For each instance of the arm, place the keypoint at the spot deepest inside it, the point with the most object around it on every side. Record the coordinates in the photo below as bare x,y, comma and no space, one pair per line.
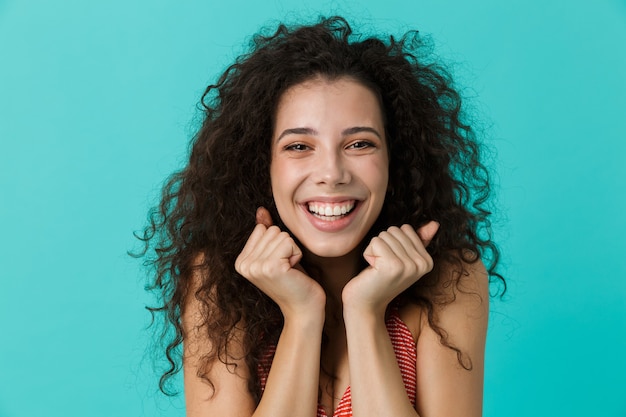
398,258
230,395
269,261
295,371
376,383
444,388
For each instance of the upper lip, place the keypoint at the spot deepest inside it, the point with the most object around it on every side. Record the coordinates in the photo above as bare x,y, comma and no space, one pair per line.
330,199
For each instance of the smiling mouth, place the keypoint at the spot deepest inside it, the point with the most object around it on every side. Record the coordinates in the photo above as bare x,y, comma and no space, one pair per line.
331,212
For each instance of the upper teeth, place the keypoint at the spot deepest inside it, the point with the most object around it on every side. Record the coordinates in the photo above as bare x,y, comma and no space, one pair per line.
324,209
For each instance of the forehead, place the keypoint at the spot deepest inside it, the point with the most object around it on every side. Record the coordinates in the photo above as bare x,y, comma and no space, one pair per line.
320,81
325,99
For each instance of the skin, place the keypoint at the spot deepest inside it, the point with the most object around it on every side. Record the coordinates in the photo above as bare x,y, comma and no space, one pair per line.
329,150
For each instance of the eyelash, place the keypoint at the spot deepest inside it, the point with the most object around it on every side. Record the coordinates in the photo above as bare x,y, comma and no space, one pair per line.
361,144
301,147
298,147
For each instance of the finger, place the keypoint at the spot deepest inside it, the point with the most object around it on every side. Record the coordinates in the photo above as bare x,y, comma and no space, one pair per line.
255,244
296,255
408,238
376,249
427,232
412,235
276,245
267,243
408,249
400,245
282,246
264,217
418,245
268,247
257,234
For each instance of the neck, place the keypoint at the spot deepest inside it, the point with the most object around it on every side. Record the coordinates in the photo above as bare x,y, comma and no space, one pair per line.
333,274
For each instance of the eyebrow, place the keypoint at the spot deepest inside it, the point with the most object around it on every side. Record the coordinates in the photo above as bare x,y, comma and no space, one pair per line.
313,132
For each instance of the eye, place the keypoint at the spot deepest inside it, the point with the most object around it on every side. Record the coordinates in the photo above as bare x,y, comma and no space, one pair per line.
297,147
361,144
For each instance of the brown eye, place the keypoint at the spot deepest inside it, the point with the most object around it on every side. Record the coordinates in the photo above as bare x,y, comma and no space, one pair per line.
361,144
298,147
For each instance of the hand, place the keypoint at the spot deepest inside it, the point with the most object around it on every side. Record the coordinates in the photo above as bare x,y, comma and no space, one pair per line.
397,258
269,260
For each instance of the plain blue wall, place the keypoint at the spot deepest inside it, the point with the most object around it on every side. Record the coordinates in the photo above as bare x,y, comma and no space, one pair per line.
97,103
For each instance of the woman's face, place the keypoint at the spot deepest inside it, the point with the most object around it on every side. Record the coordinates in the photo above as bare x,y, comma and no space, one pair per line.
329,169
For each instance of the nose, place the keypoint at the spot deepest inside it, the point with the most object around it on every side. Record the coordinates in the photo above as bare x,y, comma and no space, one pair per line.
332,169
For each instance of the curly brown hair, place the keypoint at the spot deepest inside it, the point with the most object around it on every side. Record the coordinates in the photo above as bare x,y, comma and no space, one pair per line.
207,210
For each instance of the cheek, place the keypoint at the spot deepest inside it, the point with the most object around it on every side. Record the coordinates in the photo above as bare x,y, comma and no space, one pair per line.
379,177
282,182
275,175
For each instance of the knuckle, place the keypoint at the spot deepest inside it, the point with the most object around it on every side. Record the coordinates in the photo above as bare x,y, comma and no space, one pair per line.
393,229
424,264
274,230
255,269
238,266
421,263
268,269
430,264
241,262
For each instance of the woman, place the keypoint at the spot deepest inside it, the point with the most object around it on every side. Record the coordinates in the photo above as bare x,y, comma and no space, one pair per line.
321,251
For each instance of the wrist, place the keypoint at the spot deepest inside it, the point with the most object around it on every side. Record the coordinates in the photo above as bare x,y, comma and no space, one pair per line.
363,313
357,306
309,318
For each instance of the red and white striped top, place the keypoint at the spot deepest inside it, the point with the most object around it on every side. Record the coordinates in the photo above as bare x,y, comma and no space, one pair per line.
406,355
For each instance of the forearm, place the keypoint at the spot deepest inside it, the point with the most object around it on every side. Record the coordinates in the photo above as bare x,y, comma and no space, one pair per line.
292,384
376,383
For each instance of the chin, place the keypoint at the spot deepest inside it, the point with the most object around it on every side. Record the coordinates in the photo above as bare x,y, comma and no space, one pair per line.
331,250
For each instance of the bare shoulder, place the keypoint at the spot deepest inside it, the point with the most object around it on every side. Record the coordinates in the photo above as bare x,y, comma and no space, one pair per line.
466,290
450,353
466,295
462,309
211,387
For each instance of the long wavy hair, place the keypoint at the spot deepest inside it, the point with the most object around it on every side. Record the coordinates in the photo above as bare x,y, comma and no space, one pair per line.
207,209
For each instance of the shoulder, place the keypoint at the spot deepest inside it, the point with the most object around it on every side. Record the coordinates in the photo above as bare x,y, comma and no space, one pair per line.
450,339
459,297
210,383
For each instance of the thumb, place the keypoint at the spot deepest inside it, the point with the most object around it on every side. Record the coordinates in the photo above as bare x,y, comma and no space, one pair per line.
371,253
427,232
296,255
263,217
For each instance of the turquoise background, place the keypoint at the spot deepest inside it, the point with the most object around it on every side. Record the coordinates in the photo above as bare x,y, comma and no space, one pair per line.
97,103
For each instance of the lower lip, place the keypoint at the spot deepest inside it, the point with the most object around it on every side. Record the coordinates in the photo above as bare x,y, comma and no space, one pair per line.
331,225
